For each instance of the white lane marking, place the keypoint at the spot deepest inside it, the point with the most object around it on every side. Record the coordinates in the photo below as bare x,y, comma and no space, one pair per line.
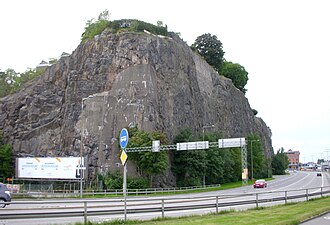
305,176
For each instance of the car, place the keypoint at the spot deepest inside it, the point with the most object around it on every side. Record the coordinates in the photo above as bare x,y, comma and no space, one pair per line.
260,184
4,195
319,174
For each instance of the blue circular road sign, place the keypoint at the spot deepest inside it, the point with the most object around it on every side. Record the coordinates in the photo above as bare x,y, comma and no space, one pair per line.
123,138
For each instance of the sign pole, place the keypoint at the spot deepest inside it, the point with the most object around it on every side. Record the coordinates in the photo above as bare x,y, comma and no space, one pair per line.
125,191
123,140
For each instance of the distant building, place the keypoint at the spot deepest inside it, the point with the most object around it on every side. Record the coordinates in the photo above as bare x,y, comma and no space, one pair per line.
293,157
64,54
42,65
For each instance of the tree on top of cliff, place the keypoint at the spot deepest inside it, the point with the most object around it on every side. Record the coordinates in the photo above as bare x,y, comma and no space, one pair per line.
236,73
210,48
10,81
93,27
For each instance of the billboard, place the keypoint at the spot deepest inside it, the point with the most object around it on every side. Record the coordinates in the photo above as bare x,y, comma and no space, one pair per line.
50,167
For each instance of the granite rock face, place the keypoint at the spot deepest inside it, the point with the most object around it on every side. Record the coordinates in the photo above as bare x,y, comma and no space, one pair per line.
80,104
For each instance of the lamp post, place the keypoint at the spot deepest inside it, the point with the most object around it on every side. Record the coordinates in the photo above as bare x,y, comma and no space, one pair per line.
204,127
252,158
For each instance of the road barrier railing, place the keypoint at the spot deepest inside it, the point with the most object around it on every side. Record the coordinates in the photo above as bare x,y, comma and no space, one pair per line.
88,208
115,192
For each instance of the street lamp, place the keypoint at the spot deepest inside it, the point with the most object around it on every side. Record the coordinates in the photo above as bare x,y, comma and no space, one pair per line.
204,127
252,158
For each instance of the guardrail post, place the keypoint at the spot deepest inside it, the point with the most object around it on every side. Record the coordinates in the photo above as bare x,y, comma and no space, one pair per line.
306,194
85,212
163,209
257,199
217,204
286,197
321,191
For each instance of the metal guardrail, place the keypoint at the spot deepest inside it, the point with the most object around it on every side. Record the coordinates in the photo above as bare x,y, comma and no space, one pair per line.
116,192
92,207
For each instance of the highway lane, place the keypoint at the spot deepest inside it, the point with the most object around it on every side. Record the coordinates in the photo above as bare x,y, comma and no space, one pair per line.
295,181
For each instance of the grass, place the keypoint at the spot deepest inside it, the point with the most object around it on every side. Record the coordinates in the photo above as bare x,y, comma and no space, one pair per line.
98,195
292,214
222,187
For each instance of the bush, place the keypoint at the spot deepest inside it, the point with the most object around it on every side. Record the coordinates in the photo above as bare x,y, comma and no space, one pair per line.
115,181
94,28
137,26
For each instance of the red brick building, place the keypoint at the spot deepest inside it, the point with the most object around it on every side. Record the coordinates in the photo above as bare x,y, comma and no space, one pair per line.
293,157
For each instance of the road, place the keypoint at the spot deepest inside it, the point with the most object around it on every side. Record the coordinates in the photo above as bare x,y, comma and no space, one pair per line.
140,207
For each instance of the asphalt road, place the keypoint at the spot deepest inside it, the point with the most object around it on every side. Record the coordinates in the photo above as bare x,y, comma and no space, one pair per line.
298,181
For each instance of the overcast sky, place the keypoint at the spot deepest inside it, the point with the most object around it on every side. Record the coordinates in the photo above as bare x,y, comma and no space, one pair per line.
283,44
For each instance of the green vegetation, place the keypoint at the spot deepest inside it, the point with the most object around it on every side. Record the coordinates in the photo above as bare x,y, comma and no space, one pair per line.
148,164
114,180
280,162
191,168
292,213
6,169
138,26
210,48
217,165
236,73
261,165
95,27
10,81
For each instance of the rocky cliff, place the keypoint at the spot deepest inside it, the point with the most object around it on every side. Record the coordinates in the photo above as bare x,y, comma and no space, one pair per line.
117,80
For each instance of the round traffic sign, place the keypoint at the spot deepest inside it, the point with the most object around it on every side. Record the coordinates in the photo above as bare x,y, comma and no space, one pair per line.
123,138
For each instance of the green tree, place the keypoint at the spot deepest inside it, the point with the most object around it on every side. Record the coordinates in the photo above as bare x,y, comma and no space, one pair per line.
25,77
7,80
280,162
218,165
10,81
236,73
215,167
237,167
115,181
94,27
6,169
188,166
148,163
210,48
258,159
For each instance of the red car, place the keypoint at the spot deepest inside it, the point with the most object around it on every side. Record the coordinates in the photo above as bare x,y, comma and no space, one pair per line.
260,184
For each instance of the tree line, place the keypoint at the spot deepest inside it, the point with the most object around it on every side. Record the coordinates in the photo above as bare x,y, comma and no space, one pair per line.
6,160
11,81
194,167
